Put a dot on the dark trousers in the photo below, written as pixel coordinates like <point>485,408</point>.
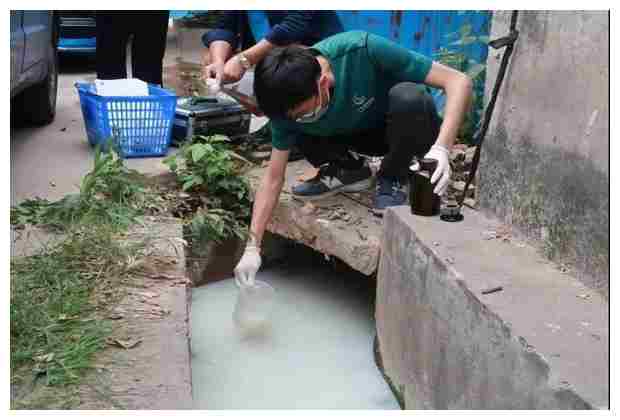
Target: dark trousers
<point>411,128</point>
<point>149,30</point>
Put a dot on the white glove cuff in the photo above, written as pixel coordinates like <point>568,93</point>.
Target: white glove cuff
<point>252,244</point>
<point>440,147</point>
<point>213,85</point>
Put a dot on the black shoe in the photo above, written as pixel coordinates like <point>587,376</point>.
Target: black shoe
<point>262,135</point>
<point>331,180</point>
<point>295,154</point>
<point>389,193</point>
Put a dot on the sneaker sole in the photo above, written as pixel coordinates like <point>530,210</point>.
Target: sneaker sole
<point>381,212</point>
<point>358,186</point>
<point>377,212</point>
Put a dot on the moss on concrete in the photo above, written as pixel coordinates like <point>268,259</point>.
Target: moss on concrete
<point>555,197</point>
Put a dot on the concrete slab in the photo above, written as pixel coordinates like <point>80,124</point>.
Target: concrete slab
<point>541,342</point>
<point>353,237</point>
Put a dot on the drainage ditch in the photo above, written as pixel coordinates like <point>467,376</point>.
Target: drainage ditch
<point>320,351</point>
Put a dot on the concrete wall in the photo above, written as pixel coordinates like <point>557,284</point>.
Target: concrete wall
<point>445,345</point>
<point>545,161</point>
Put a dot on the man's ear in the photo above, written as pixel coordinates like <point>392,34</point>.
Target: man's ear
<point>324,82</point>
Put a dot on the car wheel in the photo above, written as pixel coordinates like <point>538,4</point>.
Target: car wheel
<point>39,101</point>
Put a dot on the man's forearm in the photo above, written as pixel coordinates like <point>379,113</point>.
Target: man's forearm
<point>458,99</point>
<point>265,201</point>
<point>220,51</point>
<point>258,51</point>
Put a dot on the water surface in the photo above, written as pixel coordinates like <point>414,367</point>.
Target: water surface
<point>317,354</point>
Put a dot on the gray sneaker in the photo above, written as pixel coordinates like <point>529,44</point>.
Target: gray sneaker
<point>331,180</point>
<point>389,193</point>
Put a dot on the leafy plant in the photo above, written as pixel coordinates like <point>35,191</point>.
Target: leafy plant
<point>111,178</point>
<point>215,225</point>
<point>456,58</point>
<point>206,166</point>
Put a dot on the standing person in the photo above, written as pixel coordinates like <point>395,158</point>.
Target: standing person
<point>149,29</point>
<point>353,92</point>
<point>287,27</point>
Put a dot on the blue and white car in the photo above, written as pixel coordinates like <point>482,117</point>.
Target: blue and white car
<point>78,32</point>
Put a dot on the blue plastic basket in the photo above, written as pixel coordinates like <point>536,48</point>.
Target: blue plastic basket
<point>141,125</point>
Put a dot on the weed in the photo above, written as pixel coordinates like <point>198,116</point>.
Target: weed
<point>110,193</point>
<point>57,296</point>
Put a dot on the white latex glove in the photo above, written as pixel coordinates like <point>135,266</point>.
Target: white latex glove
<point>214,71</point>
<point>248,266</point>
<point>213,85</point>
<point>442,155</point>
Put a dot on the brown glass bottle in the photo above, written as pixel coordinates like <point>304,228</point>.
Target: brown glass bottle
<point>422,199</point>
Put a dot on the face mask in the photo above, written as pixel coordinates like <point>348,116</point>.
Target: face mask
<point>316,114</point>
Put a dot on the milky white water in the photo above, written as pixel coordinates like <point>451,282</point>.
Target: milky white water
<point>316,352</point>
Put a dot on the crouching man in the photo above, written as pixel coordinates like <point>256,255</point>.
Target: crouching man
<point>352,93</point>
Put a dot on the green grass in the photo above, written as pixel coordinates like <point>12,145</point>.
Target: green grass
<point>56,296</point>
<point>54,327</point>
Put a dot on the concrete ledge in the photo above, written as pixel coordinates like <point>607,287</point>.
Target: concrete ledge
<point>156,374</point>
<point>354,241</point>
<point>540,343</point>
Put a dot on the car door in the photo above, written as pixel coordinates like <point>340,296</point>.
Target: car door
<point>37,27</point>
<point>17,47</point>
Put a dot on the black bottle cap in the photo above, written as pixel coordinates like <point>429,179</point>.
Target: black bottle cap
<point>428,164</point>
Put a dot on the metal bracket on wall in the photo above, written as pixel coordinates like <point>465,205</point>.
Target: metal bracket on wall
<point>507,41</point>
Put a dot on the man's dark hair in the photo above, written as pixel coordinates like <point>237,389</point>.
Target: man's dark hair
<point>284,78</point>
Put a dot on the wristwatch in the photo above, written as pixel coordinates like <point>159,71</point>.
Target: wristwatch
<point>245,63</point>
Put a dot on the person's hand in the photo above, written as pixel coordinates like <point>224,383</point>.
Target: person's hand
<point>215,71</point>
<point>442,156</point>
<point>248,266</point>
<point>233,70</point>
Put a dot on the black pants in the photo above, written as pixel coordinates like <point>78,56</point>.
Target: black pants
<point>149,29</point>
<point>411,128</point>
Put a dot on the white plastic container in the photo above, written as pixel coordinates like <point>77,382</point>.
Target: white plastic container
<point>252,314</point>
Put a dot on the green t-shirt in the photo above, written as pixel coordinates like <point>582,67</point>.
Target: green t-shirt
<point>365,68</point>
